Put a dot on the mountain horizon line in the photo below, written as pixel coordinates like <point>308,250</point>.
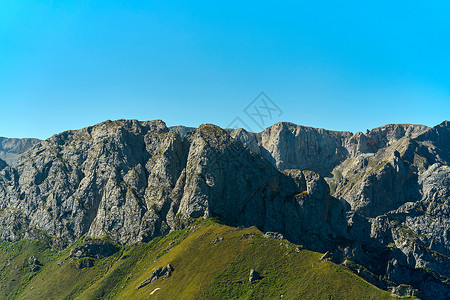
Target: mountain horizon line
<point>226,128</point>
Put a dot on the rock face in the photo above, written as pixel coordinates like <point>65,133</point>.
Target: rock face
<point>290,146</point>
<point>133,181</point>
<point>399,194</point>
<point>3,164</point>
<point>94,248</point>
<point>405,291</point>
<point>378,202</point>
<point>10,149</point>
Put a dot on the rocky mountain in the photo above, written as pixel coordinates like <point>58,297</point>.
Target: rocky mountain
<point>290,146</point>
<point>134,181</point>
<point>10,149</point>
<point>395,181</point>
<point>379,200</point>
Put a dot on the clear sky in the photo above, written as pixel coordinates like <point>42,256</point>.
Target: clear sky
<point>342,65</point>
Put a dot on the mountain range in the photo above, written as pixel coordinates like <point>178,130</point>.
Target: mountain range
<point>375,202</point>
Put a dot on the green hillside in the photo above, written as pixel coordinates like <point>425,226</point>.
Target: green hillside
<point>209,260</point>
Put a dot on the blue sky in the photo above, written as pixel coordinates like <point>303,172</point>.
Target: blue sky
<point>342,66</point>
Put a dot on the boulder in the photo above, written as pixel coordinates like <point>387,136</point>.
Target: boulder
<point>254,275</point>
<point>85,263</point>
<point>163,272</point>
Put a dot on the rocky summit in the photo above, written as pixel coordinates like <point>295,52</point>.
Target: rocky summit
<point>375,202</point>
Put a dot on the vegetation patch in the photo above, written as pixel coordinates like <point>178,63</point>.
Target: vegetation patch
<point>210,261</point>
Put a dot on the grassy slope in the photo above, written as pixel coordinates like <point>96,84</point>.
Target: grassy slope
<point>202,270</point>
<point>15,270</point>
